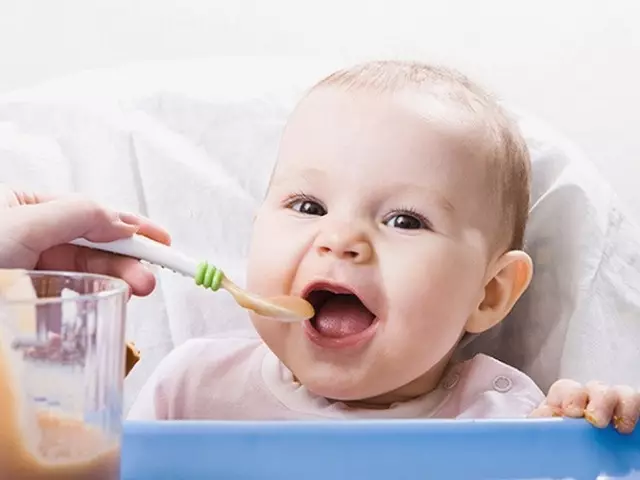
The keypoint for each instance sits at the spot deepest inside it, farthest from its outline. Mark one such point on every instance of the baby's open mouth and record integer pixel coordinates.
(339, 313)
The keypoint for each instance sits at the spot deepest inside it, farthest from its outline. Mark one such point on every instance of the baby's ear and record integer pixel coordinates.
(507, 281)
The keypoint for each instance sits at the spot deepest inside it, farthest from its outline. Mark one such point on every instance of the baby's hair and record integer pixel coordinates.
(508, 157)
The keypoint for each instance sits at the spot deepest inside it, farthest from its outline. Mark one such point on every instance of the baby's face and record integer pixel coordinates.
(375, 214)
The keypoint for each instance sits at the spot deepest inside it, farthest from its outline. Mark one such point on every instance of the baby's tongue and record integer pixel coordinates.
(342, 315)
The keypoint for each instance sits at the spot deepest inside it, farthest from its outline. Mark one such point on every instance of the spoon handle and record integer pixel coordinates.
(148, 250)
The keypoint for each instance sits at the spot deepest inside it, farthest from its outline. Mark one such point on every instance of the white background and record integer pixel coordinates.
(576, 64)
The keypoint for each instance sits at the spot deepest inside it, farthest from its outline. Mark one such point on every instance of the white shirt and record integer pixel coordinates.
(235, 378)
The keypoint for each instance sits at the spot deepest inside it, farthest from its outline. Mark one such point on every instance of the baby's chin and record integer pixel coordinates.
(342, 387)
(368, 388)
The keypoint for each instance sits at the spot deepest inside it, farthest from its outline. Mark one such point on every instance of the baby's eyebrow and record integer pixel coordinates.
(431, 193)
(445, 203)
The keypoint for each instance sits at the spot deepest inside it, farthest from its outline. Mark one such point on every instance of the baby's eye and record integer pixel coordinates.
(308, 207)
(405, 221)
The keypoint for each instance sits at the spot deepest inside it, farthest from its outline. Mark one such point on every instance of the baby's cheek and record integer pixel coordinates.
(434, 304)
(263, 255)
(431, 288)
(273, 258)
(261, 271)
(270, 331)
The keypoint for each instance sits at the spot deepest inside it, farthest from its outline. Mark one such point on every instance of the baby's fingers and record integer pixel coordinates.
(568, 397)
(627, 410)
(602, 403)
(545, 411)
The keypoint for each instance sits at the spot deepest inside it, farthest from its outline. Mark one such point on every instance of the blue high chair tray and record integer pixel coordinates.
(389, 450)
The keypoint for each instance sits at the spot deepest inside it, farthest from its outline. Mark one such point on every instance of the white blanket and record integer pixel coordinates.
(191, 145)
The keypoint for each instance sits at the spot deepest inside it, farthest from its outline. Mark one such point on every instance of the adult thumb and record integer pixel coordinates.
(45, 225)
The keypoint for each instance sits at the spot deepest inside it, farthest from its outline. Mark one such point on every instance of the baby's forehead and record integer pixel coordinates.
(369, 128)
(382, 155)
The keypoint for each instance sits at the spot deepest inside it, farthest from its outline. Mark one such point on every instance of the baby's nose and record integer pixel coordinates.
(346, 244)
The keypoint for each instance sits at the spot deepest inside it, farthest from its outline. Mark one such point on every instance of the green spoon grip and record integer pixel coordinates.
(208, 276)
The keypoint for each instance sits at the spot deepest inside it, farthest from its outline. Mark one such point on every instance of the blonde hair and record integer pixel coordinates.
(508, 162)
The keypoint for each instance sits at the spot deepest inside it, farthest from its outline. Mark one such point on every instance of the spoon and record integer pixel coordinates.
(283, 308)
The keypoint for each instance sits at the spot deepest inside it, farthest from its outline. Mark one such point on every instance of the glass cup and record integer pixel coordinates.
(62, 357)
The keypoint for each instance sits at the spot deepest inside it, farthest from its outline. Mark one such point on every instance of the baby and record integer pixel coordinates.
(397, 207)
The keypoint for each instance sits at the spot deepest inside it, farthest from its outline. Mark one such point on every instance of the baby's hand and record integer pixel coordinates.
(599, 404)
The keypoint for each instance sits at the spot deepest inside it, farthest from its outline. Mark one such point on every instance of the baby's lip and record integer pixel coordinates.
(364, 295)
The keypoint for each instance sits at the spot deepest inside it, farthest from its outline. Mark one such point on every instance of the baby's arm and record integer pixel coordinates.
(599, 404)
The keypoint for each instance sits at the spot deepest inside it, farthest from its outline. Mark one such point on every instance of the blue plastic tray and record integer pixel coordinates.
(389, 450)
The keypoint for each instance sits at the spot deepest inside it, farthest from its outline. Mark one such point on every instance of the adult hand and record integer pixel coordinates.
(35, 231)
